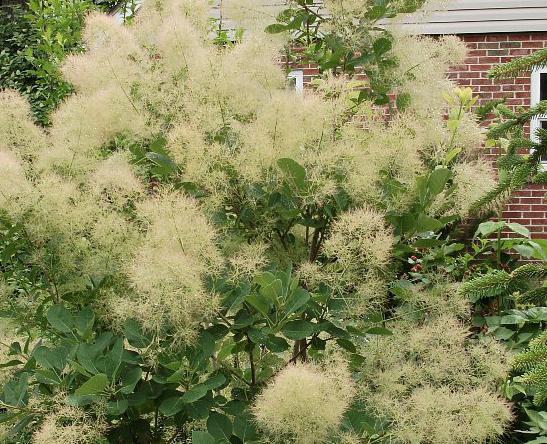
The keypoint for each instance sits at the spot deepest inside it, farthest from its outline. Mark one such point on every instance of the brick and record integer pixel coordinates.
(491, 88)
(519, 52)
(514, 102)
(479, 67)
(500, 52)
(512, 87)
(501, 95)
(497, 38)
(520, 36)
(516, 207)
(474, 38)
(512, 214)
(530, 200)
(479, 52)
(488, 45)
(469, 75)
(534, 214)
(524, 193)
(535, 44)
(512, 44)
(488, 59)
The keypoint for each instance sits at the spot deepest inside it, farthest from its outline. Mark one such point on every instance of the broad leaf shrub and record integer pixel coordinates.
(195, 251)
(34, 40)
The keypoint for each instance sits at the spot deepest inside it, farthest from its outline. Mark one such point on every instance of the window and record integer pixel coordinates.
(539, 93)
(296, 80)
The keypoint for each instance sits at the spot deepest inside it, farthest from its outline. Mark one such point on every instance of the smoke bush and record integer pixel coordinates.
(189, 219)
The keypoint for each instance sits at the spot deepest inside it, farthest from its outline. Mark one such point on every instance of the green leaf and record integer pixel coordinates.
(11, 363)
(298, 329)
(296, 300)
(234, 407)
(93, 386)
(129, 379)
(84, 322)
(117, 407)
(275, 28)
(135, 335)
(437, 180)
(60, 319)
(245, 429)
(427, 223)
(450, 156)
(54, 358)
(503, 333)
(276, 344)
(294, 171)
(165, 164)
(260, 303)
(215, 382)
(219, 426)
(195, 393)
(199, 437)
(379, 331)
(113, 359)
(489, 227)
(347, 345)
(171, 406)
(519, 229)
(383, 44)
(46, 376)
(15, 392)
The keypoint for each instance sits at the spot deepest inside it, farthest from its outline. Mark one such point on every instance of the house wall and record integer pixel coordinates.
(478, 16)
(528, 206)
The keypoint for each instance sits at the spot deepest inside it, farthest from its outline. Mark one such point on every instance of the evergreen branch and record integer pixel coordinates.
(495, 283)
(518, 66)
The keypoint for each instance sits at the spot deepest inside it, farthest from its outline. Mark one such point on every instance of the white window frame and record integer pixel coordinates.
(298, 76)
(535, 98)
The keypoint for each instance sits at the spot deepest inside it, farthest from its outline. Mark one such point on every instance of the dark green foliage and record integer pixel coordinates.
(501, 283)
(34, 40)
(32, 44)
(532, 368)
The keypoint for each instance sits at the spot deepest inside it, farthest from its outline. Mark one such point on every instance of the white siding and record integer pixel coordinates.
(480, 16)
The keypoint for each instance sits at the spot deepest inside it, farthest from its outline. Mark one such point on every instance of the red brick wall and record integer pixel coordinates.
(528, 206)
